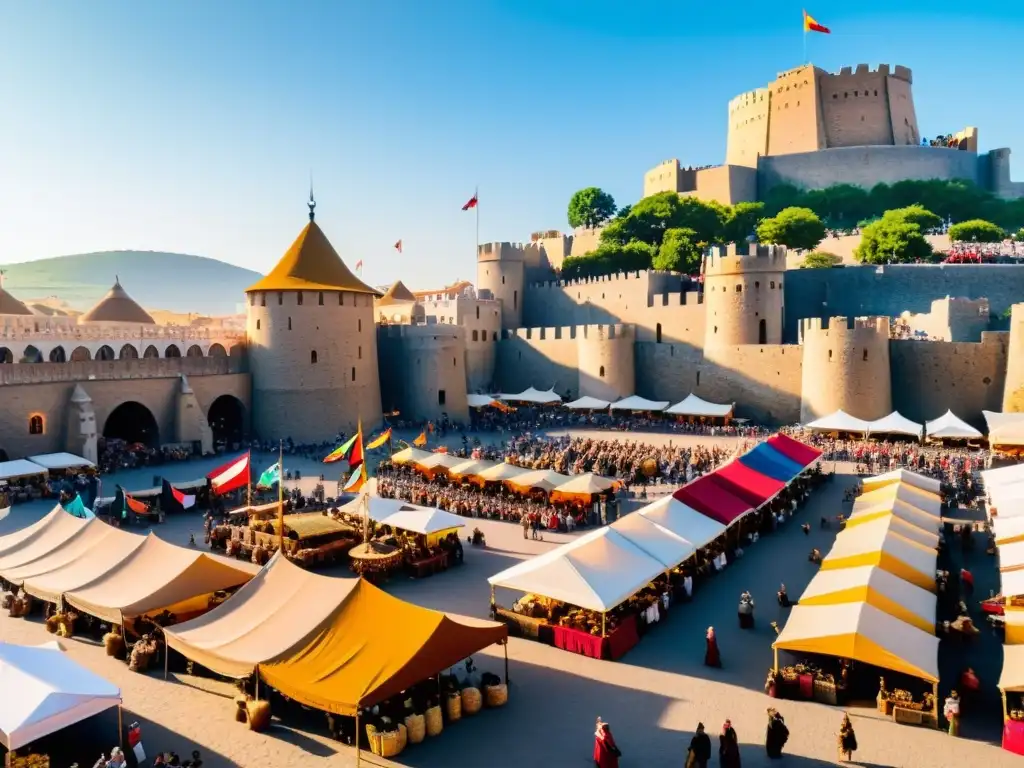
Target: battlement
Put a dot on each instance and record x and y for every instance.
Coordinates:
(739, 258)
(595, 331)
(637, 275)
(748, 98)
(897, 71)
(501, 252)
(421, 331)
(839, 326)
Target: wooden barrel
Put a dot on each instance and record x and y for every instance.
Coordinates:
(453, 708)
(433, 721)
(472, 701)
(417, 728)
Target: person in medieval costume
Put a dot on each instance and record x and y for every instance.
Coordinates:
(728, 747)
(776, 734)
(606, 753)
(712, 658)
(951, 711)
(746, 611)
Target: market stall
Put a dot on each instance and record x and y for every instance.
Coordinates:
(925, 536)
(40, 539)
(950, 427)
(499, 473)
(697, 408)
(1011, 688)
(1005, 490)
(583, 488)
(409, 455)
(1007, 530)
(840, 421)
(437, 464)
(545, 480)
(639, 404)
(901, 510)
(532, 396)
(588, 403)
(713, 500)
(877, 543)
(61, 461)
(874, 586)
(481, 401)
(896, 424)
(902, 476)
(924, 500)
(469, 468)
(1005, 430)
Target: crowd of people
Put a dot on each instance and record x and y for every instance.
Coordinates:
(116, 455)
(984, 253)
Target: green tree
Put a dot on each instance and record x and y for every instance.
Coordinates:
(976, 230)
(841, 206)
(608, 259)
(741, 221)
(892, 240)
(914, 214)
(820, 260)
(798, 228)
(590, 207)
(678, 252)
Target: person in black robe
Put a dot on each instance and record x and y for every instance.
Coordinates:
(776, 735)
(699, 752)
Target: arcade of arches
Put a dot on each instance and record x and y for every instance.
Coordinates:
(134, 423)
(227, 420)
(80, 354)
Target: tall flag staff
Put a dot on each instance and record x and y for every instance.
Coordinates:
(271, 475)
(474, 203)
(811, 25)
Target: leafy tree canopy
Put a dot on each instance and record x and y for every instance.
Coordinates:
(976, 230)
(914, 214)
(741, 221)
(679, 251)
(590, 207)
(820, 260)
(893, 239)
(798, 228)
(608, 259)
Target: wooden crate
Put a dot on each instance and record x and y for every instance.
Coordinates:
(906, 716)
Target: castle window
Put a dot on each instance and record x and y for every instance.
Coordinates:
(762, 332)
(263, 299)
(771, 284)
(601, 373)
(739, 289)
(757, 285)
(35, 424)
(312, 357)
(360, 351)
(865, 358)
(494, 336)
(252, 299)
(353, 373)
(299, 302)
(502, 279)
(441, 397)
(698, 376)
(716, 329)
(455, 363)
(856, 93)
(280, 298)
(289, 323)
(478, 313)
(360, 326)
(475, 336)
(341, 298)
(835, 95)
(515, 299)
(830, 355)
(321, 302)
(657, 332)
(876, 93)
(257, 325)
(846, 95)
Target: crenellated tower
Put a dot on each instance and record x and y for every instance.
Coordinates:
(500, 274)
(845, 367)
(606, 361)
(743, 296)
(1013, 391)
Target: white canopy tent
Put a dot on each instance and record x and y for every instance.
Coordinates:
(501, 471)
(682, 520)
(534, 396)
(1005, 428)
(663, 545)
(425, 520)
(914, 479)
(540, 479)
(1005, 490)
(409, 455)
(896, 424)
(949, 426)
(439, 461)
(692, 405)
(9, 470)
(588, 403)
(470, 467)
(1011, 556)
(46, 691)
(480, 401)
(60, 461)
(840, 421)
(1008, 529)
(1012, 677)
(637, 403)
(598, 571)
(1011, 583)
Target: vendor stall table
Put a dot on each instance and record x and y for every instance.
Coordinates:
(1013, 736)
(430, 565)
(613, 646)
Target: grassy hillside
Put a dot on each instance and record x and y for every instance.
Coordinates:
(172, 281)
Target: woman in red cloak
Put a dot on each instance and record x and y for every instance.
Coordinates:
(711, 655)
(606, 754)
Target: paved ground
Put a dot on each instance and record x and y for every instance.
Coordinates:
(653, 698)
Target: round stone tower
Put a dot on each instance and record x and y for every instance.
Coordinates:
(312, 344)
(743, 297)
(845, 367)
(1013, 391)
(605, 358)
(500, 271)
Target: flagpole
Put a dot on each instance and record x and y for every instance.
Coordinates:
(803, 25)
(280, 496)
(476, 195)
(248, 484)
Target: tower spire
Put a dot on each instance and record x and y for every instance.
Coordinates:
(312, 200)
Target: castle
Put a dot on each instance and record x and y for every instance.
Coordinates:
(813, 129)
(322, 351)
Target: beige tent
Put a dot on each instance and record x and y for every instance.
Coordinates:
(865, 512)
(581, 487)
(59, 528)
(500, 472)
(408, 455)
(913, 479)
(158, 576)
(84, 558)
(924, 500)
(917, 534)
(538, 479)
(25, 536)
(470, 467)
(868, 584)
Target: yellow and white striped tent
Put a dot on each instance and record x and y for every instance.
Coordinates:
(876, 543)
(912, 531)
(929, 502)
(863, 513)
(409, 455)
(862, 632)
(871, 585)
(904, 476)
(1008, 529)
(1014, 626)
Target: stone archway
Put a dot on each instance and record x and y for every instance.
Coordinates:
(151, 353)
(172, 351)
(132, 422)
(128, 352)
(226, 418)
(217, 350)
(194, 351)
(105, 353)
(81, 355)
(6, 356)
(57, 355)
(3, 455)
(32, 355)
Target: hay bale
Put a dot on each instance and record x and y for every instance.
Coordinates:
(433, 721)
(113, 642)
(496, 695)
(374, 738)
(403, 737)
(390, 743)
(140, 658)
(453, 707)
(472, 701)
(416, 727)
(259, 715)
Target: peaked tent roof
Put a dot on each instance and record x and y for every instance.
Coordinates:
(344, 645)
(917, 497)
(480, 401)
(311, 264)
(117, 307)
(20, 468)
(692, 405)
(877, 587)
(876, 543)
(425, 520)
(665, 546)
(712, 500)
(588, 403)
(439, 461)
(157, 575)
(637, 403)
(53, 693)
(470, 467)
(543, 479)
(748, 484)
(900, 509)
(949, 425)
(765, 459)
(864, 633)
(896, 424)
(396, 293)
(59, 528)
(532, 395)
(801, 453)
(60, 461)
(683, 521)
(24, 536)
(587, 483)
(501, 471)
(409, 455)
(840, 421)
(1005, 428)
(913, 479)
(907, 529)
(10, 305)
(1008, 529)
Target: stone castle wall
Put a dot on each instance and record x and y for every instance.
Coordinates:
(795, 117)
(423, 371)
(1013, 397)
(951, 319)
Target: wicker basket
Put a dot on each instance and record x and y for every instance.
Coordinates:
(374, 738)
(496, 695)
(453, 707)
(65, 625)
(391, 743)
(114, 644)
(472, 701)
(241, 712)
(259, 715)
(433, 721)
(416, 727)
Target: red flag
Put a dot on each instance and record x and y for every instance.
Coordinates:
(472, 203)
(810, 25)
(398, 246)
(234, 474)
(186, 500)
(359, 265)
(355, 458)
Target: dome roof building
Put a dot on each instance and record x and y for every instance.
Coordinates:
(117, 308)
(10, 305)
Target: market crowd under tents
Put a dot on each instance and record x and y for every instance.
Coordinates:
(946, 427)
(691, 406)
(603, 569)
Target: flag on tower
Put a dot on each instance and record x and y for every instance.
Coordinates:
(359, 266)
(471, 203)
(810, 25)
(398, 246)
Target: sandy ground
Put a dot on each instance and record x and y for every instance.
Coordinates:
(653, 698)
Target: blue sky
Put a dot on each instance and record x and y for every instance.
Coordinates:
(192, 126)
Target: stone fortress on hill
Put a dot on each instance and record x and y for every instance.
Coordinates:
(323, 351)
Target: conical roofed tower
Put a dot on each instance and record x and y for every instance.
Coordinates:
(117, 308)
(312, 344)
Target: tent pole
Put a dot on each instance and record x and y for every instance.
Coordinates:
(506, 672)
(120, 724)
(359, 756)
(257, 686)
(935, 698)
(604, 625)
(1002, 695)
(775, 653)
(167, 657)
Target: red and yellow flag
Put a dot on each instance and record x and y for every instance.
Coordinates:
(420, 441)
(357, 479)
(810, 25)
(380, 440)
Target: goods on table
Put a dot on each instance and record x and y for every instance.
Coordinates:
(496, 695)
(433, 721)
(472, 701)
(416, 727)
(453, 707)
